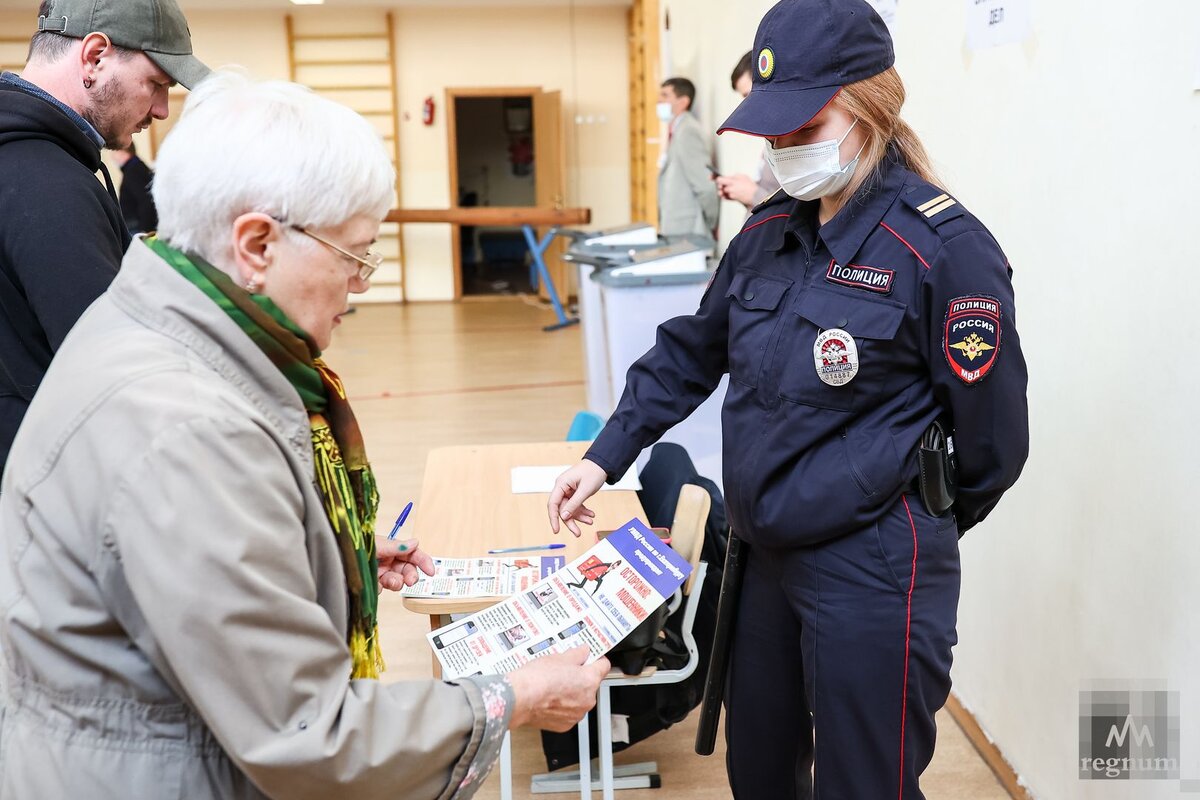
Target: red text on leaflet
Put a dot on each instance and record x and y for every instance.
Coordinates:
(635, 582)
(631, 603)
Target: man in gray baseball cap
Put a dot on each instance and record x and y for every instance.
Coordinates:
(98, 72)
(155, 27)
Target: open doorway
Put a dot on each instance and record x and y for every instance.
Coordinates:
(495, 167)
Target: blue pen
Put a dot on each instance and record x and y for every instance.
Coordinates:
(400, 521)
(526, 549)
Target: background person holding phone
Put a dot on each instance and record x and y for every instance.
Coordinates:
(748, 190)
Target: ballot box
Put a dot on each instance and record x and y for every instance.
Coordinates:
(631, 289)
(590, 251)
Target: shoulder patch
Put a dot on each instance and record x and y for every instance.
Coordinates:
(935, 206)
(971, 337)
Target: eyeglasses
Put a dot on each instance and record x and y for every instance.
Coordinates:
(367, 264)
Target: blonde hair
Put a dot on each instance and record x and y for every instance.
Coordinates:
(875, 103)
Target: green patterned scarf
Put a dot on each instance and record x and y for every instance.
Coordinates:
(343, 472)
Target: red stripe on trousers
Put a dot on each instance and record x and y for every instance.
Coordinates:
(907, 636)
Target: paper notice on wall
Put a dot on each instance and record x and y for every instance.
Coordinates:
(991, 23)
(596, 600)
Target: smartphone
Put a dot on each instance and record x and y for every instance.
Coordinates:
(567, 633)
(448, 638)
(540, 646)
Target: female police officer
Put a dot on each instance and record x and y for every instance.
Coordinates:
(857, 307)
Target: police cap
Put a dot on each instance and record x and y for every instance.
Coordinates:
(805, 51)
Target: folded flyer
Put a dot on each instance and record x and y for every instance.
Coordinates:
(595, 600)
(482, 577)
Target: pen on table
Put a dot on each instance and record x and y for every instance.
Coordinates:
(527, 548)
(400, 521)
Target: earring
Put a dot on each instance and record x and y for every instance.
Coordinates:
(252, 286)
(87, 83)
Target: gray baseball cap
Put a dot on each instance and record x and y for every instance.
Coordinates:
(156, 27)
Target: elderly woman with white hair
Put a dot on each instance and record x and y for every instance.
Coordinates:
(188, 593)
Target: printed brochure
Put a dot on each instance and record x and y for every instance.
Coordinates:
(595, 600)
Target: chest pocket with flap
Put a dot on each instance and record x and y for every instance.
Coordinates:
(753, 317)
(872, 322)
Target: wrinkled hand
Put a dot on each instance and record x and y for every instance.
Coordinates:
(571, 489)
(741, 188)
(554, 692)
(399, 560)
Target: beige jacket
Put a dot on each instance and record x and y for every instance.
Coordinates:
(172, 601)
(687, 195)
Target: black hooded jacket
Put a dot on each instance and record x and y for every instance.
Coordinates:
(62, 238)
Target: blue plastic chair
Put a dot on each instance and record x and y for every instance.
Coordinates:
(585, 427)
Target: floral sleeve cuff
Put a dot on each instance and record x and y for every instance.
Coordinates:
(491, 698)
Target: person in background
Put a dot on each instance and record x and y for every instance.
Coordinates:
(747, 190)
(190, 574)
(863, 316)
(137, 205)
(98, 71)
(687, 196)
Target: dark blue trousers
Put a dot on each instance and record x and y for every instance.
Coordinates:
(841, 658)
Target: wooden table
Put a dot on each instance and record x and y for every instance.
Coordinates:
(467, 507)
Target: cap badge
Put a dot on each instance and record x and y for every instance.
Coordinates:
(766, 63)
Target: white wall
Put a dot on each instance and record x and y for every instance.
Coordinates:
(1081, 150)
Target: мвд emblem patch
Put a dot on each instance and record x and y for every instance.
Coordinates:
(971, 339)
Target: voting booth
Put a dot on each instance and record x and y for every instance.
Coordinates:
(631, 281)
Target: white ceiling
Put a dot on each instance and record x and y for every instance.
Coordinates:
(26, 5)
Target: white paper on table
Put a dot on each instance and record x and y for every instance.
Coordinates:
(991, 23)
(540, 480)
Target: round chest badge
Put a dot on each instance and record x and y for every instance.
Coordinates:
(766, 63)
(836, 357)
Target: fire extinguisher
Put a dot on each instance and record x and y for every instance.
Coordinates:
(427, 110)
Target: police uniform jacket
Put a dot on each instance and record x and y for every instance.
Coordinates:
(924, 291)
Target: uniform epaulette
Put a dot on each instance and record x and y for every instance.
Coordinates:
(935, 206)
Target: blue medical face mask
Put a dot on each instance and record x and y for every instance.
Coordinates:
(813, 171)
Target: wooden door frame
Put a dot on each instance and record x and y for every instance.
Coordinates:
(453, 94)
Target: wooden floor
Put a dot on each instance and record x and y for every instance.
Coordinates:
(427, 375)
